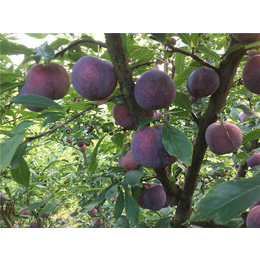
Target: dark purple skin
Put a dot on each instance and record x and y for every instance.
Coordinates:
(26, 212)
(2, 199)
(92, 213)
(202, 82)
(34, 224)
(148, 150)
(97, 222)
(153, 197)
(170, 200)
(80, 143)
(24, 90)
(51, 81)
(155, 89)
(253, 218)
(93, 78)
(246, 38)
(255, 204)
(254, 160)
(218, 140)
(251, 74)
(193, 99)
(45, 215)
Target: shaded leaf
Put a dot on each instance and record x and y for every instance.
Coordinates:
(253, 135)
(185, 37)
(182, 100)
(227, 200)
(93, 159)
(18, 155)
(44, 52)
(8, 149)
(35, 100)
(177, 143)
(119, 206)
(131, 208)
(133, 178)
(248, 111)
(122, 222)
(111, 192)
(163, 223)
(21, 174)
(48, 208)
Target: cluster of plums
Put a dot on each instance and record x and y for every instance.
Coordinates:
(98, 221)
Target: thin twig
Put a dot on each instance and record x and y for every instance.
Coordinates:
(28, 139)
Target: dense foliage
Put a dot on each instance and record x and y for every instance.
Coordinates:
(63, 160)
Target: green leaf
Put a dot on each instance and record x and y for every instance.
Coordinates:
(51, 119)
(51, 113)
(118, 139)
(93, 159)
(177, 143)
(18, 155)
(185, 37)
(131, 208)
(48, 208)
(35, 100)
(227, 200)
(36, 205)
(45, 52)
(159, 37)
(57, 43)
(248, 111)
(182, 100)
(122, 222)
(21, 174)
(10, 48)
(96, 201)
(37, 35)
(119, 206)
(163, 223)
(133, 178)
(8, 149)
(233, 48)
(146, 121)
(179, 61)
(111, 192)
(21, 126)
(195, 37)
(253, 135)
(182, 76)
(209, 52)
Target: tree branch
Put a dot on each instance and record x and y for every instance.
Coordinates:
(28, 139)
(73, 44)
(226, 71)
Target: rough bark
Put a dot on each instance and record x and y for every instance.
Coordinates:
(226, 71)
(117, 55)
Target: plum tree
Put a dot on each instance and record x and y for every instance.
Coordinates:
(255, 204)
(147, 148)
(92, 213)
(2, 199)
(173, 41)
(80, 143)
(223, 138)
(128, 162)
(153, 197)
(51, 81)
(123, 117)
(246, 38)
(253, 217)
(97, 222)
(202, 82)
(243, 117)
(24, 90)
(154, 90)
(93, 78)
(251, 74)
(34, 224)
(254, 160)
